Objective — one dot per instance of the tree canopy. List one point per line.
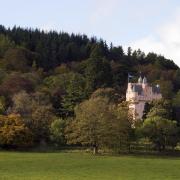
(70, 89)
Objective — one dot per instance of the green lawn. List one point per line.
(76, 166)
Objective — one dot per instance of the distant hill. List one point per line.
(44, 76)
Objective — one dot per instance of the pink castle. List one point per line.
(138, 94)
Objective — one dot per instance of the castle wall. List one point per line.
(137, 109)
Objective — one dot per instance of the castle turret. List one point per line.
(144, 80)
(145, 84)
(140, 80)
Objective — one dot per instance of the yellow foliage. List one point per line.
(13, 131)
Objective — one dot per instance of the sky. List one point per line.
(152, 26)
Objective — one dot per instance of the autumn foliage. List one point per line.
(13, 132)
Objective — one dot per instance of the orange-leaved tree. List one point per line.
(13, 132)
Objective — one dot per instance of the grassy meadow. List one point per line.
(81, 166)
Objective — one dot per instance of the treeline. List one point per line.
(49, 79)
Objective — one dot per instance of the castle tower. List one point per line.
(138, 94)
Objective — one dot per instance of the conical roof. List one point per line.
(144, 80)
(140, 80)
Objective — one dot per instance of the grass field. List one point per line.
(76, 166)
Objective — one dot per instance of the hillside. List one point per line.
(23, 48)
(45, 75)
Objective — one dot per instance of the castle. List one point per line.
(138, 94)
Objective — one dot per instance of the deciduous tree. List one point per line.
(57, 132)
(13, 132)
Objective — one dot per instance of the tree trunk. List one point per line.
(163, 147)
(95, 150)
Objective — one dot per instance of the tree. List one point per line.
(15, 83)
(121, 132)
(36, 112)
(177, 80)
(176, 99)
(62, 69)
(100, 124)
(57, 132)
(166, 88)
(5, 44)
(66, 91)
(161, 108)
(129, 51)
(98, 74)
(13, 132)
(158, 125)
(19, 59)
(162, 132)
(176, 107)
(2, 104)
(22, 104)
(119, 72)
(42, 118)
(91, 124)
(74, 93)
(111, 94)
(117, 53)
(97, 52)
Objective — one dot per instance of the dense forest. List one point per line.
(50, 81)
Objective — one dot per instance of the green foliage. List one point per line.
(162, 132)
(46, 75)
(117, 53)
(99, 124)
(176, 107)
(161, 108)
(158, 125)
(62, 69)
(121, 131)
(166, 89)
(111, 94)
(97, 52)
(57, 132)
(91, 123)
(5, 44)
(177, 80)
(2, 104)
(98, 74)
(42, 118)
(19, 59)
(74, 93)
(176, 99)
(71, 90)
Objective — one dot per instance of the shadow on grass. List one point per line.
(85, 150)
